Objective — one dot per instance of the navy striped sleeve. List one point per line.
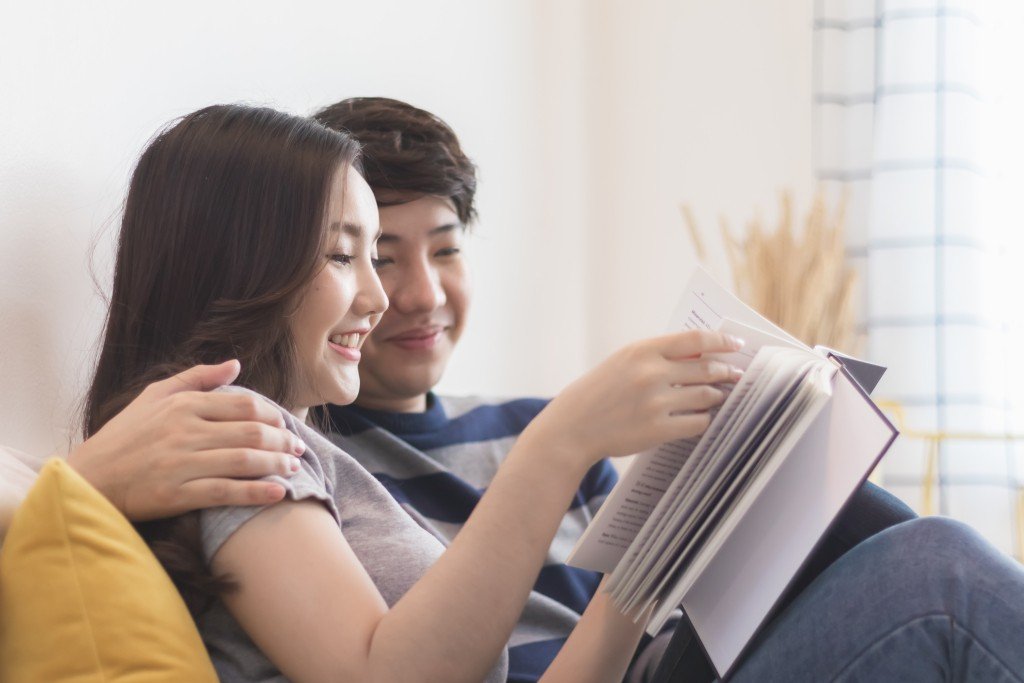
(597, 483)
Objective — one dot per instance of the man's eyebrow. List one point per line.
(389, 238)
(447, 227)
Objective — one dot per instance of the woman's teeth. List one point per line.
(349, 340)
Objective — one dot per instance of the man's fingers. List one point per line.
(237, 463)
(205, 493)
(693, 343)
(234, 407)
(246, 435)
(196, 378)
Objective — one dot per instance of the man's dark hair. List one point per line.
(407, 152)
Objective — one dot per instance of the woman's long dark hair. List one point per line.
(223, 227)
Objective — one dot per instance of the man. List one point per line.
(436, 454)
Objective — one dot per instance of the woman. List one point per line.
(249, 233)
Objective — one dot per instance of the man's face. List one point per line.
(425, 278)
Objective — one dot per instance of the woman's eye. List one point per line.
(448, 251)
(382, 261)
(343, 259)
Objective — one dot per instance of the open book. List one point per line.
(720, 524)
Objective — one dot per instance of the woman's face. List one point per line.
(342, 303)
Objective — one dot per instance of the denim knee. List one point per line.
(941, 559)
(938, 532)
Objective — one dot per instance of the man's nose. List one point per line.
(419, 290)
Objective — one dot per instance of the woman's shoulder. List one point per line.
(312, 480)
(235, 389)
(324, 462)
(292, 423)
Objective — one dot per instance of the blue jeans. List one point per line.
(870, 511)
(926, 600)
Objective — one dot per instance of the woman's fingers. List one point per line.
(649, 392)
(703, 371)
(696, 398)
(686, 425)
(693, 343)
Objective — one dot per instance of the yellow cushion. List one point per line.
(16, 478)
(83, 599)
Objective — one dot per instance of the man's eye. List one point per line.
(382, 261)
(343, 259)
(448, 251)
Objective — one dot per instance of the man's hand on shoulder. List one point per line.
(179, 446)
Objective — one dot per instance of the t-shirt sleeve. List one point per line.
(309, 483)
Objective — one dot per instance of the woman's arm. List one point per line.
(178, 447)
(311, 607)
(601, 646)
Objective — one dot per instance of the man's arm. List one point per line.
(179, 447)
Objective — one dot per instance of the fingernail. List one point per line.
(735, 342)
(736, 372)
(299, 448)
(294, 466)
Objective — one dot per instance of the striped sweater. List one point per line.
(438, 463)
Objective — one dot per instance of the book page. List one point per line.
(704, 305)
(652, 529)
(741, 400)
(628, 506)
(717, 460)
(731, 506)
(735, 593)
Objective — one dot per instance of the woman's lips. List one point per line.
(346, 352)
(418, 340)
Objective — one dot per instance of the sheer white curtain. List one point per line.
(915, 104)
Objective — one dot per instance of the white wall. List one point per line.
(707, 103)
(589, 120)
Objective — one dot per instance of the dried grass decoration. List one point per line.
(802, 282)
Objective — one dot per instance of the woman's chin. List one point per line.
(343, 395)
(340, 394)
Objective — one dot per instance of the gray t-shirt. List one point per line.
(391, 546)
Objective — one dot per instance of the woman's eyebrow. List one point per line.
(350, 229)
